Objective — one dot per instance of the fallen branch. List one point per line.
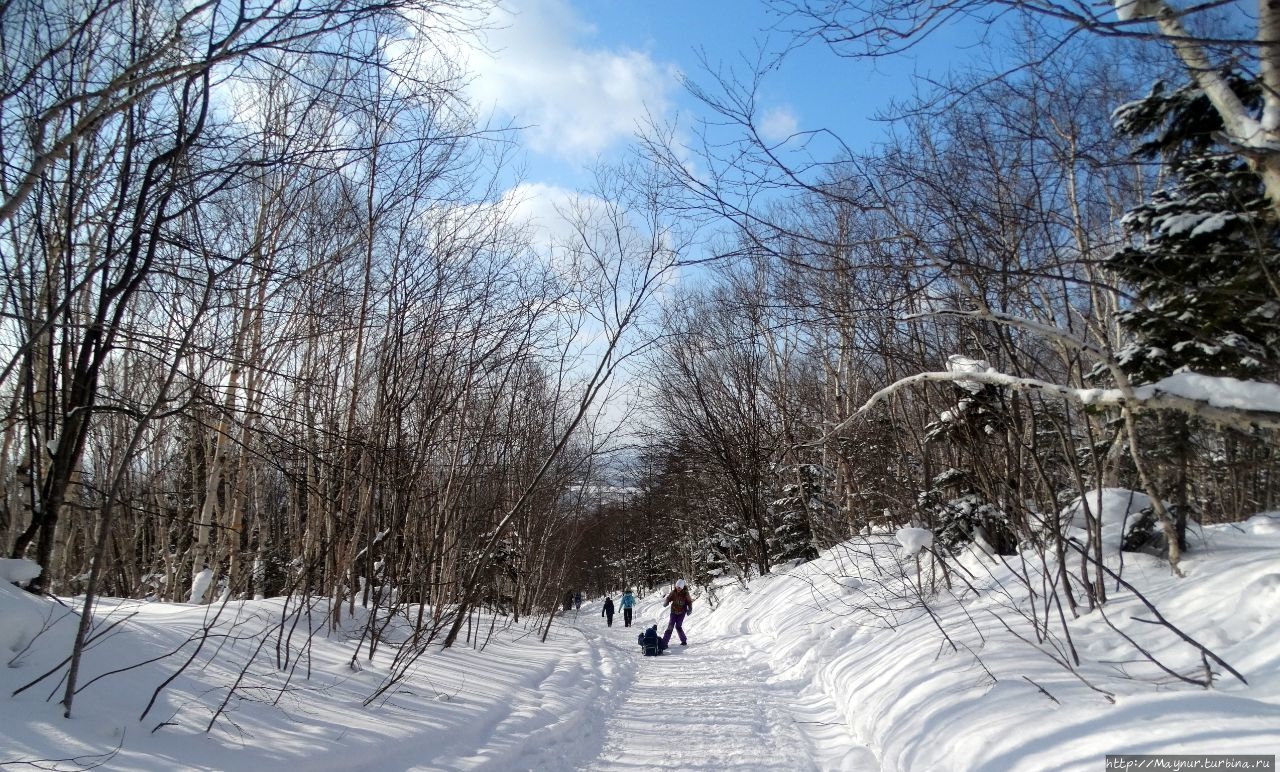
(1043, 691)
(82, 761)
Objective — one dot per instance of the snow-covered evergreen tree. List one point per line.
(978, 410)
(1206, 254)
(804, 498)
(721, 553)
(958, 514)
(1201, 267)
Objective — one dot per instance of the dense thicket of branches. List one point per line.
(816, 388)
(269, 325)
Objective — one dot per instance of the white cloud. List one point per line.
(542, 208)
(573, 100)
(555, 220)
(779, 123)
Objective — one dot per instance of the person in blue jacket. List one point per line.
(628, 602)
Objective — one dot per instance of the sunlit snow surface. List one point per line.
(829, 665)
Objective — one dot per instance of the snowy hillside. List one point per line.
(982, 697)
(834, 664)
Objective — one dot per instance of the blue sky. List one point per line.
(582, 75)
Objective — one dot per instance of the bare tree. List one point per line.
(1202, 39)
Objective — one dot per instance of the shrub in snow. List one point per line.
(720, 553)
(977, 412)
(961, 519)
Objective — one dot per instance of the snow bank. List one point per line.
(22, 615)
(1123, 514)
(18, 571)
(299, 703)
(1115, 508)
(924, 674)
(22, 618)
(947, 687)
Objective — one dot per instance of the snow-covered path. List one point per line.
(713, 705)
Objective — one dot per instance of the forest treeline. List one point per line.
(273, 326)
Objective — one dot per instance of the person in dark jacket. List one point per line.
(681, 603)
(651, 642)
(608, 610)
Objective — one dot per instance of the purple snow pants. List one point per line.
(676, 623)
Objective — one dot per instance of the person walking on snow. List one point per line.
(628, 603)
(608, 610)
(681, 604)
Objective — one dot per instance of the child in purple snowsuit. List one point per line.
(681, 604)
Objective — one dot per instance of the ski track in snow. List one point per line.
(714, 705)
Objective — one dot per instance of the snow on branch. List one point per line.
(1227, 401)
(1244, 131)
(1137, 10)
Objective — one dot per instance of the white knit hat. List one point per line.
(679, 584)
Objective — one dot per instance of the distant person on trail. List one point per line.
(681, 603)
(628, 603)
(568, 600)
(608, 610)
(577, 601)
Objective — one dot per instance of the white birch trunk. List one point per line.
(1257, 141)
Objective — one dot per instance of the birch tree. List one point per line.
(109, 143)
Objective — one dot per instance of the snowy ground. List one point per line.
(817, 667)
(713, 705)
